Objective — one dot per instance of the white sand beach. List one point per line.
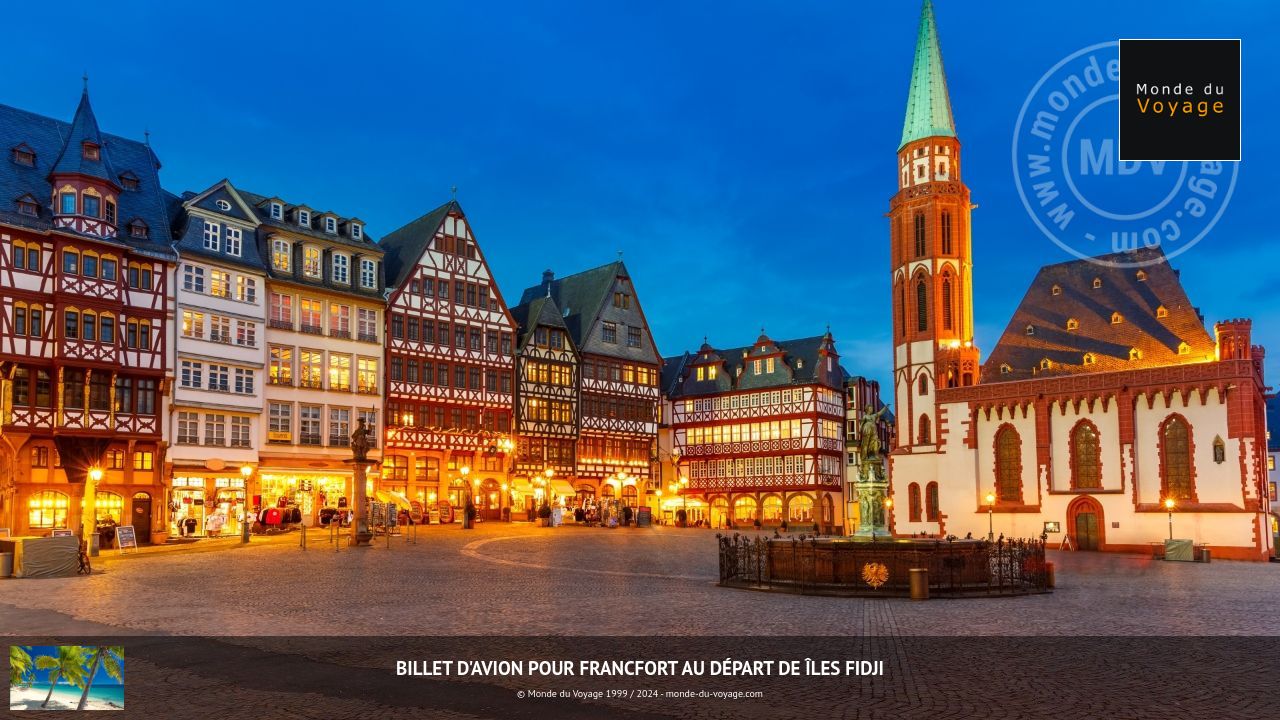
(63, 699)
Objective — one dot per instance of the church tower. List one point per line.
(929, 228)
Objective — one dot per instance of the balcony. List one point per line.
(223, 338)
(280, 324)
(368, 337)
(340, 386)
(340, 334)
(339, 441)
(309, 439)
(367, 389)
(311, 329)
(288, 381)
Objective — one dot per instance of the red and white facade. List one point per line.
(449, 360)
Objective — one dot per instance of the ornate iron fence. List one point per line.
(815, 566)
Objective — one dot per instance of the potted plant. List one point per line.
(682, 517)
(544, 515)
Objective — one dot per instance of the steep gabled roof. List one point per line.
(541, 311)
(801, 358)
(404, 247)
(579, 297)
(928, 102)
(1155, 318)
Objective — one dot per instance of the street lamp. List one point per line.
(991, 506)
(246, 471)
(684, 496)
(546, 492)
(89, 522)
(468, 509)
(1168, 505)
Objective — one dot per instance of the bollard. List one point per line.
(1048, 574)
(919, 583)
(302, 541)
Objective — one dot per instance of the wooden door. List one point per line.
(1086, 531)
(140, 518)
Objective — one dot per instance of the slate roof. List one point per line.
(189, 235)
(266, 223)
(47, 137)
(800, 357)
(1137, 300)
(84, 128)
(928, 102)
(580, 297)
(540, 311)
(404, 247)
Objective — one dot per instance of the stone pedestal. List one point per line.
(873, 518)
(360, 534)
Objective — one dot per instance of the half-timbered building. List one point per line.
(85, 263)
(323, 351)
(215, 424)
(449, 368)
(758, 433)
(618, 383)
(546, 408)
(1106, 411)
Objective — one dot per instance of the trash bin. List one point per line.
(6, 565)
(919, 583)
(95, 544)
(1204, 555)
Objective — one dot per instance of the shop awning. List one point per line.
(521, 485)
(562, 487)
(387, 496)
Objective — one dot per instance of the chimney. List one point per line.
(548, 276)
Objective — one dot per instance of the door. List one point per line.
(140, 518)
(1086, 531)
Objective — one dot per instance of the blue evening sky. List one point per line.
(740, 154)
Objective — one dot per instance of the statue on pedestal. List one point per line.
(871, 488)
(360, 442)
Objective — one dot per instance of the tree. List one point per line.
(111, 658)
(20, 664)
(67, 665)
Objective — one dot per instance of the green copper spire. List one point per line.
(928, 104)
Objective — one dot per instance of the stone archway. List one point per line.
(1085, 524)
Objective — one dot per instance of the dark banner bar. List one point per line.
(660, 677)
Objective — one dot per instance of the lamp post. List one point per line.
(468, 508)
(1168, 505)
(246, 471)
(888, 508)
(89, 523)
(684, 496)
(547, 474)
(991, 506)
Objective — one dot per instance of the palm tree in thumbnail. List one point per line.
(67, 665)
(20, 663)
(110, 658)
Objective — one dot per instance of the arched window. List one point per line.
(1175, 459)
(922, 305)
(924, 384)
(946, 301)
(931, 502)
(606, 491)
(800, 509)
(924, 431)
(744, 509)
(1008, 465)
(1086, 460)
(772, 510)
(902, 307)
(913, 502)
(629, 496)
(108, 505)
(47, 509)
(1219, 450)
(920, 243)
(946, 232)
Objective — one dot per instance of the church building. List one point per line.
(1106, 410)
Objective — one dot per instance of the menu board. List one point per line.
(377, 516)
(644, 516)
(126, 537)
(393, 515)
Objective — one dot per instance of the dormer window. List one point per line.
(1162, 312)
(1045, 364)
(128, 180)
(1184, 349)
(67, 203)
(1116, 318)
(341, 269)
(1057, 290)
(223, 205)
(330, 225)
(277, 211)
(1141, 275)
(139, 229)
(1135, 354)
(27, 206)
(311, 262)
(1005, 369)
(1031, 329)
(368, 274)
(92, 205)
(24, 155)
(1073, 324)
(357, 232)
(91, 151)
(1097, 283)
(1089, 359)
(304, 218)
(281, 254)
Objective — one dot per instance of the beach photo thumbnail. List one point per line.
(66, 677)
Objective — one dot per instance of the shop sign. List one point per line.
(62, 533)
(126, 537)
